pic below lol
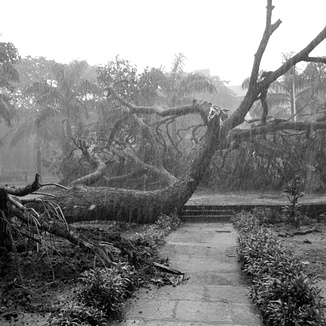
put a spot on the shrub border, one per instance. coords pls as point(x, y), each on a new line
point(280, 289)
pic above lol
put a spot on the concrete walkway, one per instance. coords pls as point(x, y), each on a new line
point(215, 293)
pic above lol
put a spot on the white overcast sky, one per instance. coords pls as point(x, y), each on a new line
point(221, 35)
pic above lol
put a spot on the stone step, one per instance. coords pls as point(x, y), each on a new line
point(223, 213)
point(205, 214)
point(205, 218)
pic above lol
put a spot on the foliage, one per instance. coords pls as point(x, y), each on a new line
point(168, 223)
point(154, 235)
point(279, 286)
point(103, 291)
point(79, 314)
point(9, 57)
point(107, 289)
point(266, 216)
point(269, 162)
point(293, 193)
point(57, 102)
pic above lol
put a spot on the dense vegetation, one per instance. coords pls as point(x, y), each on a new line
point(280, 289)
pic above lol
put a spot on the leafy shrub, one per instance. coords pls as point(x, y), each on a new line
point(266, 216)
point(168, 223)
point(279, 287)
point(107, 289)
point(79, 314)
point(154, 235)
point(293, 193)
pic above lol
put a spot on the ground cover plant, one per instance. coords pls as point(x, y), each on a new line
point(280, 288)
point(69, 286)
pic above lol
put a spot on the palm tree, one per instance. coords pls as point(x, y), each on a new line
point(55, 106)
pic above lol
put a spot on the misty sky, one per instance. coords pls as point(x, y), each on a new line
point(222, 35)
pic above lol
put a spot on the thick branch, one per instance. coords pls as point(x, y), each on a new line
point(29, 189)
point(108, 181)
point(250, 133)
point(148, 134)
point(316, 59)
point(303, 55)
point(195, 107)
point(159, 171)
point(100, 168)
point(269, 29)
point(253, 92)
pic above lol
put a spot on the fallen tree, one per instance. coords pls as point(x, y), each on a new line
point(79, 201)
point(85, 203)
point(104, 203)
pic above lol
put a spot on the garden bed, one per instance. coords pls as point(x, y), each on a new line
point(310, 248)
point(286, 267)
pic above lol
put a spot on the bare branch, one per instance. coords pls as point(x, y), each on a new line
point(20, 192)
point(158, 171)
point(54, 184)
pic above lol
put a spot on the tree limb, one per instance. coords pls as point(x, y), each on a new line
point(195, 107)
point(298, 126)
point(255, 88)
point(29, 189)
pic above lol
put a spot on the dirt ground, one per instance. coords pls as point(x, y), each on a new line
point(310, 249)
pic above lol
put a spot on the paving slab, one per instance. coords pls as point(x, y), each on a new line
point(215, 293)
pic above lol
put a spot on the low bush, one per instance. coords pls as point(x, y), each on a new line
point(279, 287)
point(78, 314)
point(106, 289)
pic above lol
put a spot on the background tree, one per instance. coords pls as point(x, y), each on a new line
point(56, 102)
point(9, 75)
point(9, 56)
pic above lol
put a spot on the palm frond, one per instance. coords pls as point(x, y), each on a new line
point(196, 83)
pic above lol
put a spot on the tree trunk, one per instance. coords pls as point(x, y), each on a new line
point(102, 203)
